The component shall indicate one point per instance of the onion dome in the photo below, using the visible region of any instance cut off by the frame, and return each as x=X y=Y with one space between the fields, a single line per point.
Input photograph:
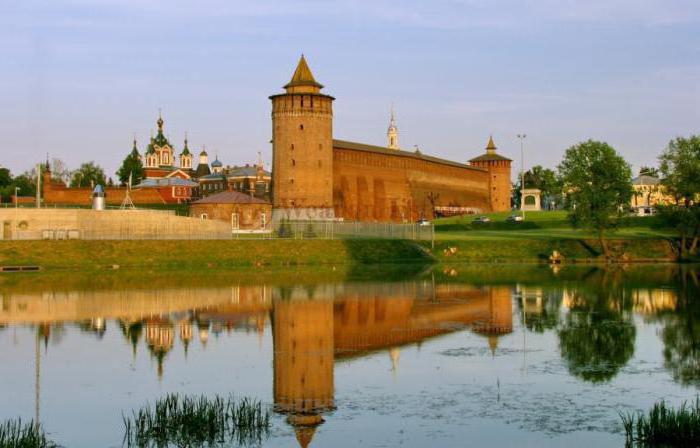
x=186 y=149
x=216 y=163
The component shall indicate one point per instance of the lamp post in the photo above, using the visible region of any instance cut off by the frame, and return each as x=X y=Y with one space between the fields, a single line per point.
x=16 y=196
x=521 y=137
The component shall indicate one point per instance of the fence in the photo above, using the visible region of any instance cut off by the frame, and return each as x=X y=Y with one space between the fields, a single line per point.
x=63 y=224
x=351 y=230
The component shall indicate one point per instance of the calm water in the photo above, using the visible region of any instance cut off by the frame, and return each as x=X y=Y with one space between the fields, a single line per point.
x=450 y=356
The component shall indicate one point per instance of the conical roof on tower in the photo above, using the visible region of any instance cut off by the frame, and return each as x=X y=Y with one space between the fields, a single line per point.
x=491 y=146
x=302 y=76
x=491 y=154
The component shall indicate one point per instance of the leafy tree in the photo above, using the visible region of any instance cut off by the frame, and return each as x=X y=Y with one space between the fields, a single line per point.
x=88 y=175
x=649 y=171
x=133 y=166
x=5 y=177
x=26 y=185
x=544 y=179
x=597 y=182
x=679 y=166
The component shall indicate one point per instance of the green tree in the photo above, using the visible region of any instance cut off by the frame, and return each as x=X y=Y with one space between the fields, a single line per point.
x=88 y=175
x=26 y=185
x=5 y=177
x=597 y=183
x=544 y=179
x=679 y=166
x=649 y=171
x=133 y=166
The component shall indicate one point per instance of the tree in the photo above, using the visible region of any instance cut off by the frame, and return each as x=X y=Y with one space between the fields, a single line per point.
x=5 y=177
x=597 y=183
x=649 y=171
x=679 y=166
x=133 y=166
x=544 y=179
x=88 y=175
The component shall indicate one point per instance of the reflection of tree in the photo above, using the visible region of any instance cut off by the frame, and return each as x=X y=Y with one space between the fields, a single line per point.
x=681 y=333
x=597 y=338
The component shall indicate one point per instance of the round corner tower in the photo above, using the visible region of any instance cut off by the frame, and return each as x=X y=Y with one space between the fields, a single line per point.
x=302 y=149
x=499 y=176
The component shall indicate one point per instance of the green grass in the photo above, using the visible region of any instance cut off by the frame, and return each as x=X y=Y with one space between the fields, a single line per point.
x=461 y=249
x=16 y=434
x=549 y=220
x=187 y=421
x=207 y=254
x=664 y=427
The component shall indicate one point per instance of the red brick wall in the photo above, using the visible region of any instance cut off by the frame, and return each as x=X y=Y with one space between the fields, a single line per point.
x=371 y=186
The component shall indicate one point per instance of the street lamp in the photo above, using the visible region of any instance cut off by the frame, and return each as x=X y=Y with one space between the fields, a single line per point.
x=521 y=137
x=16 y=196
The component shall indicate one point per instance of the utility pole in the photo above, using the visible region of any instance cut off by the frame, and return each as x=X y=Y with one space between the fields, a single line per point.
x=522 y=137
x=38 y=185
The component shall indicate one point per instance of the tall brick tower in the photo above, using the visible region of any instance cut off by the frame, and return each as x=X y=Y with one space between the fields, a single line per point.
x=499 y=176
x=302 y=149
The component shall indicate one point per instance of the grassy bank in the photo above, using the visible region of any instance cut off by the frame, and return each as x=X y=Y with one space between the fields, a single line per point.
x=529 y=249
x=206 y=254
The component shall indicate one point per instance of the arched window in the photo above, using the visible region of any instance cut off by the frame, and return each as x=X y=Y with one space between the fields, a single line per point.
x=529 y=200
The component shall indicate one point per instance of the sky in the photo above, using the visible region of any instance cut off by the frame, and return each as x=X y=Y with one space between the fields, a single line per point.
x=79 y=79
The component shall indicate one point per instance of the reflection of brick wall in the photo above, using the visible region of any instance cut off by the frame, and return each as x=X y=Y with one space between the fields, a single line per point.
x=58 y=194
x=249 y=215
x=373 y=186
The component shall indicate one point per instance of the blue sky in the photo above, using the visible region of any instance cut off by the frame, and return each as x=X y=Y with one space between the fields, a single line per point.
x=79 y=78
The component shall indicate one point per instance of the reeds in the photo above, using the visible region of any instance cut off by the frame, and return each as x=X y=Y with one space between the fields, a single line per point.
x=664 y=426
x=186 y=421
x=18 y=434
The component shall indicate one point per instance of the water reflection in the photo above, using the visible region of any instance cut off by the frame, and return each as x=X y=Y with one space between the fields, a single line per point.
x=315 y=325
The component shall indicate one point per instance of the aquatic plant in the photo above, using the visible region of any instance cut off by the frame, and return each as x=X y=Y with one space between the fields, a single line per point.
x=186 y=421
x=664 y=426
x=18 y=434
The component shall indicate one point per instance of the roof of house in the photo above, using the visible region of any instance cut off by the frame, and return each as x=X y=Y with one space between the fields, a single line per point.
x=342 y=144
x=202 y=170
x=166 y=182
x=245 y=171
x=230 y=197
x=644 y=179
x=213 y=176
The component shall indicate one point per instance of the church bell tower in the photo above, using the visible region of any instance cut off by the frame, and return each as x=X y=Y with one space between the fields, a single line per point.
x=302 y=149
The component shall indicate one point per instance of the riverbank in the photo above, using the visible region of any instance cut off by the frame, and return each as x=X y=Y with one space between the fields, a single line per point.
x=581 y=250
x=197 y=255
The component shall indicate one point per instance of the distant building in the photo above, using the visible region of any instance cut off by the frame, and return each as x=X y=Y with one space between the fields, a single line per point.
x=648 y=193
x=243 y=211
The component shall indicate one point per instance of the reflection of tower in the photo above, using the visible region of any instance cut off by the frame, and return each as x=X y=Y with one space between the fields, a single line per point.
x=185 y=333
x=160 y=339
x=394 y=354
x=303 y=363
x=500 y=317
